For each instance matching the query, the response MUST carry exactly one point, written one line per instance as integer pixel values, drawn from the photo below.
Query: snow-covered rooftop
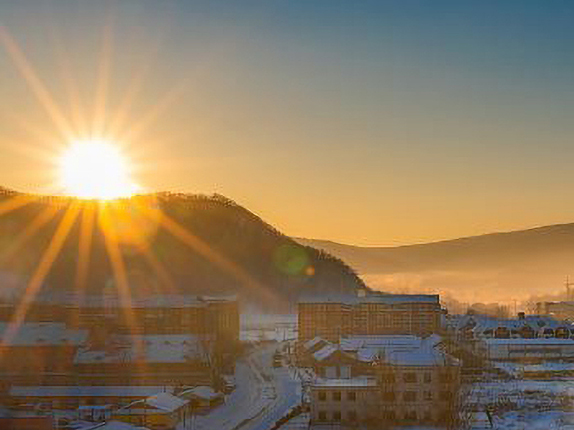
(166, 402)
(536, 341)
(355, 343)
(347, 383)
(325, 352)
(171, 348)
(423, 357)
(312, 342)
(404, 350)
(201, 392)
(36, 334)
(86, 391)
(114, 425)
(481, 323)
(113, 300)
(370, 298)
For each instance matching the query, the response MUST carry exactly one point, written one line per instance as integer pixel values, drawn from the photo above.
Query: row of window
(337, 416)
(387, 396)
(409, 415)
(337, 396)
(412, 396)
(411, 377)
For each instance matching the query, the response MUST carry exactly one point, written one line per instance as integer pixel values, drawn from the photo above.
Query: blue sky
(365, 122)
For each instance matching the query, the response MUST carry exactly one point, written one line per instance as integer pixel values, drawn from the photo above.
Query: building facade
(373, 314)
(387, 379)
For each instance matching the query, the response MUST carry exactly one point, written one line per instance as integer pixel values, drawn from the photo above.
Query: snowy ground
(263, 394)
(258, 327)
(524, 404)
(518, 370)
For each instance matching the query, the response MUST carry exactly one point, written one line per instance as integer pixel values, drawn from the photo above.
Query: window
(337, 416)
(352, 415)
(445, 395)
(410, 396)
(445, 377)
(411, 415)
(428, 395)
(388, 396)
(322, 396)
(389, 415)
(322, 416)
(337, 396)
(428, 377)
(387, 377)
(352, 396)
(410, 377)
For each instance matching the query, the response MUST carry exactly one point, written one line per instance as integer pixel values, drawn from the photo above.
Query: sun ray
(36, 85)
(120, 116)
(84, 246)
(138, 127)
(40, 220)
(143, 247)
(104, 70)
(42, 270)
(107, 226)
(78, 113)
(39, 134)
(198, 245)
(16, 202)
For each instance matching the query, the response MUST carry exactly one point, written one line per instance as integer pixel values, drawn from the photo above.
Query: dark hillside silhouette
(280, 268)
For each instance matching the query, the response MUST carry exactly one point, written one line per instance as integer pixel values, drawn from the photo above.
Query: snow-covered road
(288, 395)
(262, 395)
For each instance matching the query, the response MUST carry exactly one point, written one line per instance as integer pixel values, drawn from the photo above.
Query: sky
(366, 122)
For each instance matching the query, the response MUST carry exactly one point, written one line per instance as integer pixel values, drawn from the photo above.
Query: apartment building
(561, 311)
(332, 318)
(38, 353)
(402, 379)
(71, 397)
(158, 314)
(528, 338)
(154, 360)
(345, 401)
(216, 318)
(418, 386)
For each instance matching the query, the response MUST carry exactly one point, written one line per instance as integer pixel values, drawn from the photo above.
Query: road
(262, 395)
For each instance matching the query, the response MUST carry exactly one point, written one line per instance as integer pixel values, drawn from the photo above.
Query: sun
(95, 169)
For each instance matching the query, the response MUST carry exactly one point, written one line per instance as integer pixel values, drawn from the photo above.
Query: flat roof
(168, 348)
(345, 383)
(37, 334)
(371, 298)
(114, 301)
(86, 391)
(535, 341)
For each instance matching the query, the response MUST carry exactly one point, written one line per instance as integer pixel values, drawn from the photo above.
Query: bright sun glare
(95, 169)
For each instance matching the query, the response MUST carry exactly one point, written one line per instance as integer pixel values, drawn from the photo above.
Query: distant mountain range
(499, 266)
(227, 250)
